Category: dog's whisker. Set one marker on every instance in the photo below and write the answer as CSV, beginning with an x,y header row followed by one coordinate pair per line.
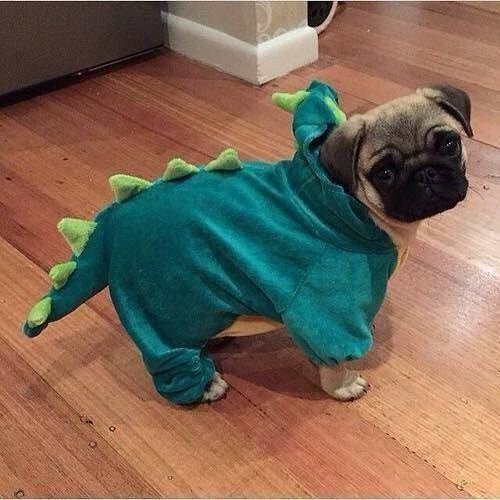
x,y
476,190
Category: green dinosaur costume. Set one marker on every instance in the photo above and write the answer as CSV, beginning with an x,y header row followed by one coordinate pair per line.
x,y
185,255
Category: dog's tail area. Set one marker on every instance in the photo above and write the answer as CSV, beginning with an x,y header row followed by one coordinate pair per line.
x,y
75,281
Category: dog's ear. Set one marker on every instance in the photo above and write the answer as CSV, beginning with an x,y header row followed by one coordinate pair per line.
x,y
454,101
339,153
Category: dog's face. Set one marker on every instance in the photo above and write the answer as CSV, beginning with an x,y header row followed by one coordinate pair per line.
x,y
405,159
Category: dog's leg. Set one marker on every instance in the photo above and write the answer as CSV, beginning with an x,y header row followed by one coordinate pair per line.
x,y
216,389
341,383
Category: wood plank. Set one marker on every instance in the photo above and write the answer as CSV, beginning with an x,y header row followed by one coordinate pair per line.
x,y
448,18
47,450
403,23
368,52
493,7
462,11
260,110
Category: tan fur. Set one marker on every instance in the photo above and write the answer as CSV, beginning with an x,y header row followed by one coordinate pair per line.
x,y
403,123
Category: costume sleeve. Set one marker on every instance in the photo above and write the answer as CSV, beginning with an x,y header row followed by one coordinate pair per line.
x,y
330,318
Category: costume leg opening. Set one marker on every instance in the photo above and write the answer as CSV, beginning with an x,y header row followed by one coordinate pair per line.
x,y
182,375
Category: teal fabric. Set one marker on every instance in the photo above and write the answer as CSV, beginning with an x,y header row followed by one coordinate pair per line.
x,y
184,258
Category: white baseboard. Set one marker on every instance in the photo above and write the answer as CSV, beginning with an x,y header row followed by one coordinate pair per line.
x,y
286,52
254,63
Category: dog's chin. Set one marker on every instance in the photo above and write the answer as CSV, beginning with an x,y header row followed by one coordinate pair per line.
x,y
435,202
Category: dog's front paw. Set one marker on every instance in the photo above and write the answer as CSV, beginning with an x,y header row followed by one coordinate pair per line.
x,y
216,389
343,385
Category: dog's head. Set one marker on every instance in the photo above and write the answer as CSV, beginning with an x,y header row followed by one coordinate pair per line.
x,y
404,159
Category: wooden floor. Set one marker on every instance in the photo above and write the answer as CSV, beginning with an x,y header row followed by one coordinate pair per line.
x,y
78,414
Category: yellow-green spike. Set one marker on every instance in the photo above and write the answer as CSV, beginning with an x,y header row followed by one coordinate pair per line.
x,y
126,186
39,313
338,114
227,160
60,273
177,168
76,232
289,102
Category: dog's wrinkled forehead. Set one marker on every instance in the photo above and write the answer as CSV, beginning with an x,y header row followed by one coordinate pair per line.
x,y
402,124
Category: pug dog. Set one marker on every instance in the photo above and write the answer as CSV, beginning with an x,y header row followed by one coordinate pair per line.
x,y
405,160
293,240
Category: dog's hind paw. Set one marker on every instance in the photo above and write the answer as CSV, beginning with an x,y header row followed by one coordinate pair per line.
x,y
216,389
343,385
352,389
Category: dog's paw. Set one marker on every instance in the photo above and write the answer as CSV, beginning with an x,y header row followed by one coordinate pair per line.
x,y
216,389
352,388
342,384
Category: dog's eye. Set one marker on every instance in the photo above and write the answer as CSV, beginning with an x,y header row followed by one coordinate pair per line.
x,y
385,175
449,145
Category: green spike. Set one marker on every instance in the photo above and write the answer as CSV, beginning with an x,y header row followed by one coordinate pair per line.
x,y
289,102
76,232
338,114
60,273
126,186
177,168
39,313
227,160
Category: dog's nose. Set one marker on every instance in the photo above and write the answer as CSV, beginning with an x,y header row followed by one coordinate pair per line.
x,y
426,175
